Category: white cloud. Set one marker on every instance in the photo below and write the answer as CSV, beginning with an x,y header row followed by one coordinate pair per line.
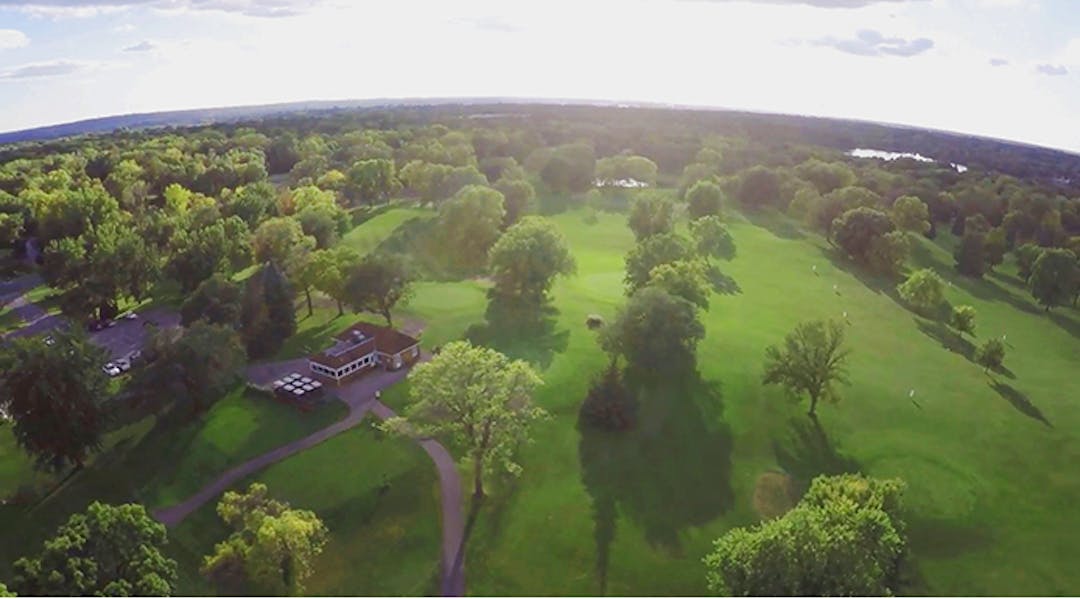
x,y
90,8
52,68
12,38
143,46
1054,70
869,42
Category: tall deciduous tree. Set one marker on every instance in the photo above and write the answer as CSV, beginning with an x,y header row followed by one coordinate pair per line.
x,y
651,214
812,361
478,397
272,546
196,254
712,238
654,330
1026,255
1055,278
216,301
53,394
371,181
685,279
193,369
469,224
526,259
991,354
962,320
911,214
277,238
517,195
378,284
857,230
116,551
758,187
704,198
652,252
826,176
924,290
330,271
846,537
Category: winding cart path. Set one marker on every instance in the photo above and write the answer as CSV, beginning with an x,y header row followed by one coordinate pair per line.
x,y
360,397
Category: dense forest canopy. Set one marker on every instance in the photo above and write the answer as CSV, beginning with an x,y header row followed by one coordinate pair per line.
x,y
1013,158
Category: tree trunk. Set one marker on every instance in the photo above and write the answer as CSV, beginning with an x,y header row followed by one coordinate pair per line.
x,y
389,320
340,308
307,293
478,479
813,405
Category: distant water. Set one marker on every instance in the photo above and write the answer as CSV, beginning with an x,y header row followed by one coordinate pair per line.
x,y
885,155
623,183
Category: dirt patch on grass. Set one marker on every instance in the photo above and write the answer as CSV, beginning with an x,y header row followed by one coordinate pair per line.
x,y
774,495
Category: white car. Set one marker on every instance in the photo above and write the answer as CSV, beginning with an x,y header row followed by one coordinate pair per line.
x,y
49,340
123,364
111,369
130,316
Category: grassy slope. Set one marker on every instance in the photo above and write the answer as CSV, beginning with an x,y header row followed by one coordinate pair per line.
x,y
984,477
153,467
380,542
370,234
971,456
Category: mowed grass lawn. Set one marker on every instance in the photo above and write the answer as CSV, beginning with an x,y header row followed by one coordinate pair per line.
x,y
989,460
153,466
990,470
378,497
371,233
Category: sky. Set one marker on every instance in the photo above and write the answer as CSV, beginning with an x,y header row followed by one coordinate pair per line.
x,y
1001,68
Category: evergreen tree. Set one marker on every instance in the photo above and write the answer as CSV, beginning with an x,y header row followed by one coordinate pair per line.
x,y
267,315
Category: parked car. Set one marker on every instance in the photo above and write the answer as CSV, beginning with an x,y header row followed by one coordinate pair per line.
x,y
49,340
111,369
130,316
123,364
110,323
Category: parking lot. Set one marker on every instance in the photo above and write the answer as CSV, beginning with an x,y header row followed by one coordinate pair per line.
x,y
127,336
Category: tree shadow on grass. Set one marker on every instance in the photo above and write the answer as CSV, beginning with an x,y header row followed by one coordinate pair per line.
x,y
1071,325
948,339
878,283
941,538
1008,279
776,223
1019,401
671,472
722,283
419,241
310,340
807,453
521,331
985,288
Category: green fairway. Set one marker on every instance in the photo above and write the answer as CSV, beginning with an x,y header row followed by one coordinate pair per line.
x,y
986,458
371,233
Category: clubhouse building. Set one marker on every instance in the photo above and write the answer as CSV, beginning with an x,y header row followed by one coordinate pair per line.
x,y
362,347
